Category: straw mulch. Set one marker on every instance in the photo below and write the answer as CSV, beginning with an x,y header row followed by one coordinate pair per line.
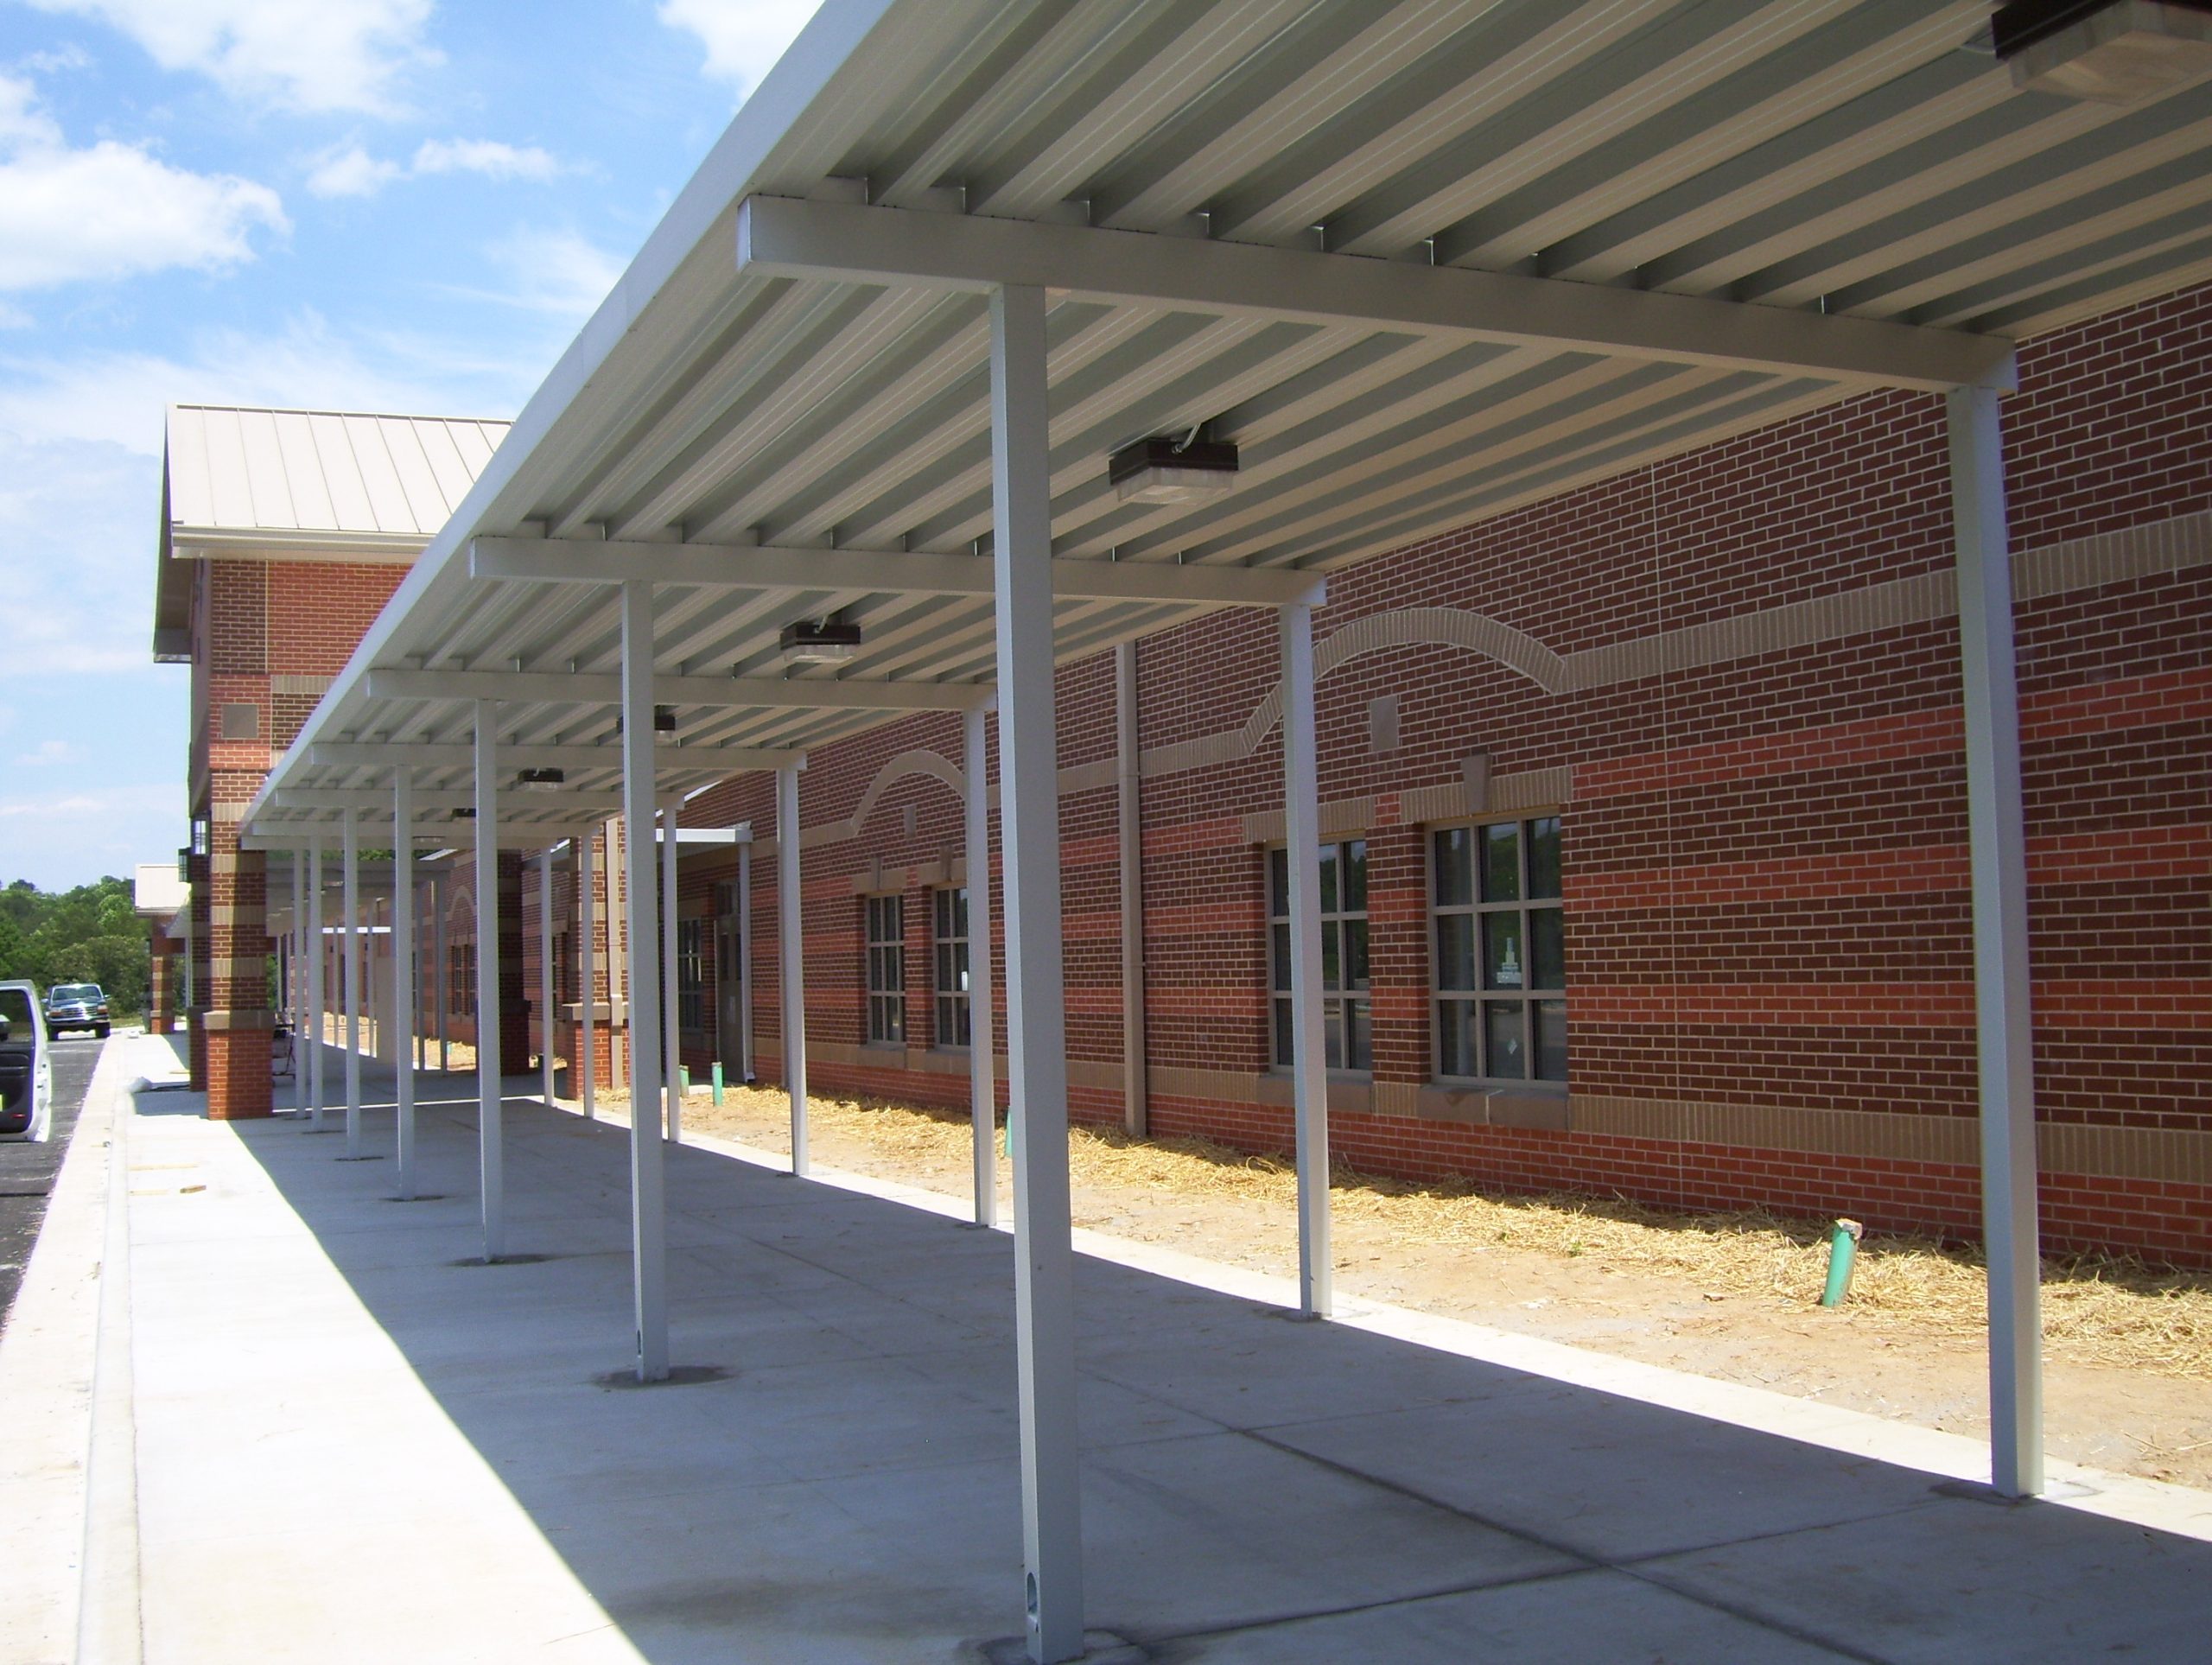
x,y
2098,1310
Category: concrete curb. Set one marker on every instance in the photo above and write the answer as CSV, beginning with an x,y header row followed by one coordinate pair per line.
x,y
49,1369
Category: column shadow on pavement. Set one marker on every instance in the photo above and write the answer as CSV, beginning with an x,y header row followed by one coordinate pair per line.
x,y
840,1478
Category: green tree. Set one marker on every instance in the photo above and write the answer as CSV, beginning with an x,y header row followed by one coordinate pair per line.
x,y
91,934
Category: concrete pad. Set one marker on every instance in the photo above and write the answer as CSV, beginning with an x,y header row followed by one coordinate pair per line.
x,y
352,1448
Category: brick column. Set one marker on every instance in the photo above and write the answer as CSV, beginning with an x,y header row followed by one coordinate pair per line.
x,y
238,1019
161,985
196,875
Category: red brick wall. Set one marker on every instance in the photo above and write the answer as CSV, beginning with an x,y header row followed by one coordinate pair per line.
x,y
1766,862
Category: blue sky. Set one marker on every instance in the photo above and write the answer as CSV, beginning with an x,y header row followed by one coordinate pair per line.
x,y
384,205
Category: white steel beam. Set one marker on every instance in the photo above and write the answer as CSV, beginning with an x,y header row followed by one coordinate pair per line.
x,y
889,572
387,754
1302,860
791,942
490,1143
672,1073
781,237
370,803
586,688
352,902
1997,839
648,1195
442,978
403,983
1036,1018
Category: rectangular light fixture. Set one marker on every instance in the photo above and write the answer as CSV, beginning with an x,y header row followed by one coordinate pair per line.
x,y
2106,51
1172,471
541,780
823,641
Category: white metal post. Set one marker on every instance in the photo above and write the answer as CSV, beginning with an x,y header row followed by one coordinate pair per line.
x,y
648,1206
745,960
352,895
1029,814
440,975
791,933
1309,1063
297,984
982,1065
403,968
545,975
671,1075
315,984
1998,842
490,1145
587,909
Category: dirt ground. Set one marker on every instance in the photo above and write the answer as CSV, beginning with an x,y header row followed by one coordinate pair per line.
x,y
2129,1352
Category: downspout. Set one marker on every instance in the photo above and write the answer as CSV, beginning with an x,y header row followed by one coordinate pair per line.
x,y
1134,1092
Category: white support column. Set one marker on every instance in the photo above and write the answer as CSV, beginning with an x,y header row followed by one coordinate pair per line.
x,y
490,1143
441,976
1302,857
791,933
545,1005
982,1065
1029,817
745,1072
295,986
352,895
671,1077
313,1064
587,912
648,1201
1998,842
403,969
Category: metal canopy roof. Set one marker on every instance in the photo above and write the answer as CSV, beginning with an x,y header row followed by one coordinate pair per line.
x,y
1420,260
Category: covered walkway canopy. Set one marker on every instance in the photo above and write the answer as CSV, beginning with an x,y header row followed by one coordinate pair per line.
x,y
1417,261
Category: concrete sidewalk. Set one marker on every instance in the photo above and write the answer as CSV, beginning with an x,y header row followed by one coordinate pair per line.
x,y
353,1444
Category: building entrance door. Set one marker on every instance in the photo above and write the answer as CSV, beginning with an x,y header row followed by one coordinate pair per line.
x,y
729,986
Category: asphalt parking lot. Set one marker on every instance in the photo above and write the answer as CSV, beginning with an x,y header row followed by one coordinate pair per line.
x,y
27,1171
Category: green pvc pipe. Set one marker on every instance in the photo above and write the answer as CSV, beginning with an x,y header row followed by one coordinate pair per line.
x,y
1843,1255
682,1077
718,1081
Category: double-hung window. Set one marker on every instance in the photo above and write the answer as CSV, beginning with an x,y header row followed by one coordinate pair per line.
x,y
887,969
1345,1017
950,943
1501,967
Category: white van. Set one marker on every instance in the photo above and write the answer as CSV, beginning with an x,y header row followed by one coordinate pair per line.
x,y
26,1065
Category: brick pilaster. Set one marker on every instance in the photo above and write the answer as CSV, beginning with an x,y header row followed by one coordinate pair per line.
x,y
238,1020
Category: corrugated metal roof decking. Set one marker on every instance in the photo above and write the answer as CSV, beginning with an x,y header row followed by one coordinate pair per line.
x,y
1867,157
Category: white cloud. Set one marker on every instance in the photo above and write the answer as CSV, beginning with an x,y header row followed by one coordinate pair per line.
x,y
112,210
46,751
556,272
351,171
70,837
117,398
325,54
743,38
487,157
